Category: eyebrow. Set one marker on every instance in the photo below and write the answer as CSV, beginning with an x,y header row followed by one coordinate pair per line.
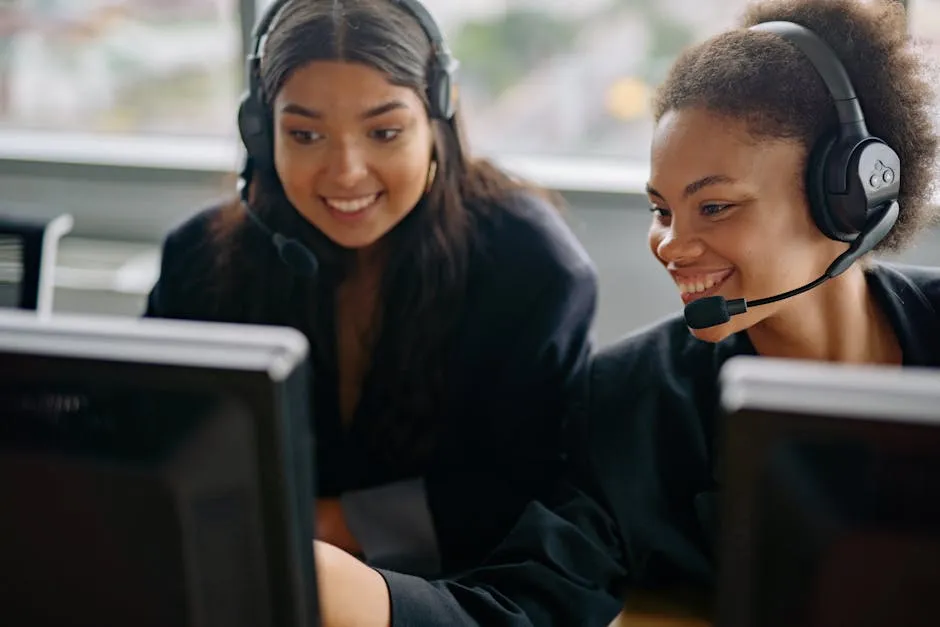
x,y
691,188
297,109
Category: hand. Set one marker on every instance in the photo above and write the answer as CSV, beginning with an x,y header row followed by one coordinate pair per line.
x,y
331,526
350,593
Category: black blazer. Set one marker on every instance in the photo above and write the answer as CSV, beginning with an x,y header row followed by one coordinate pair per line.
x,y
521,345
641,507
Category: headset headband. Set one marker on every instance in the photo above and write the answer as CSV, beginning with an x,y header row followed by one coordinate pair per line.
x,y
829,68
414,8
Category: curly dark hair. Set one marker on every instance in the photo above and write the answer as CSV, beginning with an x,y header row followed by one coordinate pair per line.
x,y
425,277
763,79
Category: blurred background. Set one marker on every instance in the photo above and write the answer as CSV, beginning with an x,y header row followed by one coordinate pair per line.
x,y
122,113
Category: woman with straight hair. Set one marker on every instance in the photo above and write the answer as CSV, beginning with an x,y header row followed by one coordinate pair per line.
x,y
447,304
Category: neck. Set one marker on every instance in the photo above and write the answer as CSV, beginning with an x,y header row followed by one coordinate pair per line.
x,y
366,264
839,321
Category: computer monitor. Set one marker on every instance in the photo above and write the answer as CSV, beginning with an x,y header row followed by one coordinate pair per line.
x,y
831,495
154,473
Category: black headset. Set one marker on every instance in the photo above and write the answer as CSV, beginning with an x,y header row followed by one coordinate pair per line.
x,y
853,178
254,116
852,181
256,127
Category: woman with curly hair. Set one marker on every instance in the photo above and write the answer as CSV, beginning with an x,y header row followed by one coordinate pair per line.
x,y
745,204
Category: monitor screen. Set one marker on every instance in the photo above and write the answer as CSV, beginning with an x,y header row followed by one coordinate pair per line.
x,y
831,495
154,473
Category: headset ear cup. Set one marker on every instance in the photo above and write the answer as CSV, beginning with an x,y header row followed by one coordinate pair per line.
x,y
873,179
448,87
254,128
816,168
436,99
441,91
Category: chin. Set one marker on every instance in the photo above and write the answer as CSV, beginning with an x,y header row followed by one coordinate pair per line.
x,y
353,243
735,325
352,238
714,334
359,236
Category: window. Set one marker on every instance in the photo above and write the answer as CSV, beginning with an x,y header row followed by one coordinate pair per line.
x,y
140,67
561,78
924,20
546,78
554,77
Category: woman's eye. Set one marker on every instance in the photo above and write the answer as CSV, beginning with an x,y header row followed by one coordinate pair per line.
x,y
659,212
304,137
714,209
386,134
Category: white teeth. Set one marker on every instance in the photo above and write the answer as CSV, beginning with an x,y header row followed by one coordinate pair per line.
x,y
351,206
699,285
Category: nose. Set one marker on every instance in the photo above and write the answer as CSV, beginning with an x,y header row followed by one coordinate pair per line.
x,y
347,164
673,246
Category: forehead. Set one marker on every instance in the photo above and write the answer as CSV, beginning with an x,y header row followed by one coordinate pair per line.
x,y
340,85
689,144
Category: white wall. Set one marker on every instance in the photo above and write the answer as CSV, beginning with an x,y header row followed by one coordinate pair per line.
x,y
122,213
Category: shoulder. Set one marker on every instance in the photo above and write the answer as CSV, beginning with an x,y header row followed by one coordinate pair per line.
x,y
197,244
905,281
660,372
193,237
647,358
527,235
529,281
190,265
925,279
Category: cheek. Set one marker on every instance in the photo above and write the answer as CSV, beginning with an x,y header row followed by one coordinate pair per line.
x,y
751,256
777,258
407,176
291,180
405,173
746,243
294,174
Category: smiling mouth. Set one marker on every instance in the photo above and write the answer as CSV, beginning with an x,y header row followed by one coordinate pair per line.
x,y
694,288
351,206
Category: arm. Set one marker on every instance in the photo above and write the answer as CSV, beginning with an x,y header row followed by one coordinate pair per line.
x,y
331,526
391,527
560,566
349,592
563,563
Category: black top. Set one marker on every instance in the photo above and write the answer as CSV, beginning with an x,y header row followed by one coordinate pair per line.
x,y
521,344
641,509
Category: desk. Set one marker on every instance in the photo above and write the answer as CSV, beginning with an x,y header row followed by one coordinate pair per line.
x,y
656,609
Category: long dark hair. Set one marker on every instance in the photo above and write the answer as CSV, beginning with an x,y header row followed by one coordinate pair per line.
x,y
425,278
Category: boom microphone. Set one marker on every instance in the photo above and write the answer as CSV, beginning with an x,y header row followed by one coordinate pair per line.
x,y
715,310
